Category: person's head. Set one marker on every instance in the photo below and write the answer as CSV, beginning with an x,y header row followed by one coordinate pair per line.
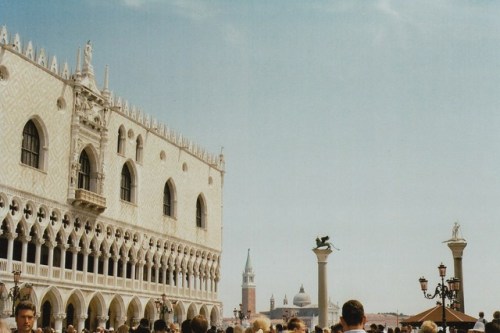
x,y
199,324
238,329
186,326
481,314
428,326
492,327
25,316
174,327
111,330
160,325
337,328
496,315
261,323
70,329
397,330
279,327
353,315
296,325
144,322
123,329
229,329
39,330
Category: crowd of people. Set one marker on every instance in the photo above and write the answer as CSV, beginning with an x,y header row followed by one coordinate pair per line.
x,y
352,320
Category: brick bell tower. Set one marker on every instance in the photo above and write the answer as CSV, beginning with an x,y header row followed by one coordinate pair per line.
x,y
248,289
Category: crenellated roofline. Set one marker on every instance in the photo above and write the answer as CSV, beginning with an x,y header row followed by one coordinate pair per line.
x,y
83,76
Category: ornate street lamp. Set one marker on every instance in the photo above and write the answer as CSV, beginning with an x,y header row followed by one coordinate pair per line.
x,y
14,293
449,292
239,314
162,305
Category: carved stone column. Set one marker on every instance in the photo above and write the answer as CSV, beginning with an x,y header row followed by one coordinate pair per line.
x,y
81,322
24,253
105,267
10,250
63,260
124,267
322,256
85,252
74,251
51,246
58,324
38,254
457,249
101,321
96,255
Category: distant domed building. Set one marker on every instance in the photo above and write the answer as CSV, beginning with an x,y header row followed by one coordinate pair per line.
x,y
301,299
301,308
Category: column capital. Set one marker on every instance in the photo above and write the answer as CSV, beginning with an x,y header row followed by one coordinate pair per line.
x,y
457,248
61,315
322,254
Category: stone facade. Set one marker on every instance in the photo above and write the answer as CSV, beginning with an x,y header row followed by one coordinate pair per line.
x,y
116,210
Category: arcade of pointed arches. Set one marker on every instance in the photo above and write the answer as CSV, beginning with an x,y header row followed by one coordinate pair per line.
x,y
89,310
75,251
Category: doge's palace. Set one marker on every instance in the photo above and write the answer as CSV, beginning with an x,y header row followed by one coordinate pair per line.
x,y
104,209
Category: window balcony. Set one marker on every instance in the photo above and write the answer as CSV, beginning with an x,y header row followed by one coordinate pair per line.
x,y
90,200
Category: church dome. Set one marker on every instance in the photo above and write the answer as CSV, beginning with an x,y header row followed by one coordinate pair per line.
x,y
301,299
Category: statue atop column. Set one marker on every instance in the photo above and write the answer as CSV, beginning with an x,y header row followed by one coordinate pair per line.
x,y
455,234
323,242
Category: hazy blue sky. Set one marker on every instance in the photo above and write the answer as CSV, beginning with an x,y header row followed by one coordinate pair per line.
x,y
375,122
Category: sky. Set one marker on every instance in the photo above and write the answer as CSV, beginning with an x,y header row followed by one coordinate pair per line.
x,y
374,122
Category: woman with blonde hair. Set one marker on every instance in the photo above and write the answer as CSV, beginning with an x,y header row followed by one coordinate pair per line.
x,y
428,326
123,329
262,324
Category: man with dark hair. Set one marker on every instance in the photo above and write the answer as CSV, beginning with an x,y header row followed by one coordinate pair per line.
x,y
160,326
186,326
337,328
25,317
296,325
199,324
492,327
353,317
496,317
143,326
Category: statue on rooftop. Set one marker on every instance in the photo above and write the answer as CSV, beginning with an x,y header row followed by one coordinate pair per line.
x,y
87,52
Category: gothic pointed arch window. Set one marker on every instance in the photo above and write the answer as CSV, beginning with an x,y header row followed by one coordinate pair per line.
x,y
30,151
84,173
200,212
126,184
168,199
